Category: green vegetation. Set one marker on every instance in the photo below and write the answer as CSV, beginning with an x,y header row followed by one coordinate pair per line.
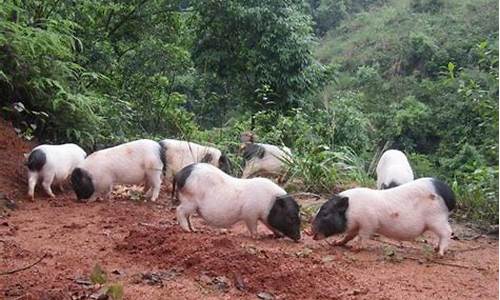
x,y
336,81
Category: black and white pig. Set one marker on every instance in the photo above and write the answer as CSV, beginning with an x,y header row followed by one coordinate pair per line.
x,y
130,163
222,200
179,154
401,213
52,163
264,159
393,169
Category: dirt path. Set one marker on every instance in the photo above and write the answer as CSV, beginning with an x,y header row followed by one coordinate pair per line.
x,y
140,247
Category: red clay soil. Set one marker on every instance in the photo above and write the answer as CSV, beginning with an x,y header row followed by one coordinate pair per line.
x,y
140,246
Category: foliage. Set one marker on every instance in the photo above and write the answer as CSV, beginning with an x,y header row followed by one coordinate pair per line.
x,y
259,52
98,276
336,81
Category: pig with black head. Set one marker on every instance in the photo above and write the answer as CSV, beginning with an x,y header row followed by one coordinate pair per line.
x,y
179,154
264,159
222,200
401,213
136,162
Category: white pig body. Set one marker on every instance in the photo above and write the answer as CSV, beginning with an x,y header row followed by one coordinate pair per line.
x,y
223,200
182,153
264,159
401,213
52,164
393,169
130,163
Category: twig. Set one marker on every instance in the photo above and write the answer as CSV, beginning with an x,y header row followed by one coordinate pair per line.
x,y
151,225
395,245
305,194
446,263
467,250
24,268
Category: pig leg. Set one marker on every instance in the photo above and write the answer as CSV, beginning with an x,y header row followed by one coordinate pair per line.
x,y
443,231
46,183
155,182
108,193
349,236
184,211
362,236
61,186
252,228
33,179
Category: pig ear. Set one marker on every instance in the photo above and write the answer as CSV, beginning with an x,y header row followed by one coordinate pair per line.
x,y
342,203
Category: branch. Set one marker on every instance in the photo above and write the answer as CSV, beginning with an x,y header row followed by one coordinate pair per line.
x,y
446,263
24,268
124,19
305,194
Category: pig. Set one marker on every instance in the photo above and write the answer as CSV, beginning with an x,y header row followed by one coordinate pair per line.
x,y
130,163
52,163
401,213
393,169
264,159
179,154
222,200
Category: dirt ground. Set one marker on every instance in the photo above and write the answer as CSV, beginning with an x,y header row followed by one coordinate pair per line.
x,y
140,247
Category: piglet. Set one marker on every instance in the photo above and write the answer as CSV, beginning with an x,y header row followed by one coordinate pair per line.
x,y
264,159
393,169
130,163
401,213
52,163
222,200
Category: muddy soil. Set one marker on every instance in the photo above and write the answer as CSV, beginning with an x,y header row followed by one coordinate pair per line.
x,y
140,247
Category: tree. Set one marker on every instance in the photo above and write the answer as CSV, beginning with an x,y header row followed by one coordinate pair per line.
x,y
259,51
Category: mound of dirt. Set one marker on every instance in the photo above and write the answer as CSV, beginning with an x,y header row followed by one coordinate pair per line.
x,y
278,272
13,182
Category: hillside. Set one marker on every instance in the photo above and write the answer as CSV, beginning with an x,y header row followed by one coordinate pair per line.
x,y
51,247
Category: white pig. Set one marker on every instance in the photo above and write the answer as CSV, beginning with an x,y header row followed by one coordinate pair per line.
x,y
130,163
401,213
264,159
223,200
179,154
52,163
393,169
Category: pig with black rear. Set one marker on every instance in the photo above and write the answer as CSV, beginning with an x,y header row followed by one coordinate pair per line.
x,y
401,213
222,200
393,169
52,164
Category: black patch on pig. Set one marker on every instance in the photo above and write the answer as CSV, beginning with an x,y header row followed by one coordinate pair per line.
x,y
163,157
180,180
331,218
391,185
253,150
82,184
207,158
36,160
224,163
445,192
284,217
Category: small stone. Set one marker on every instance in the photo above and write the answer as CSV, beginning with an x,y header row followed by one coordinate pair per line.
x,y
101,294
265,296
328,258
